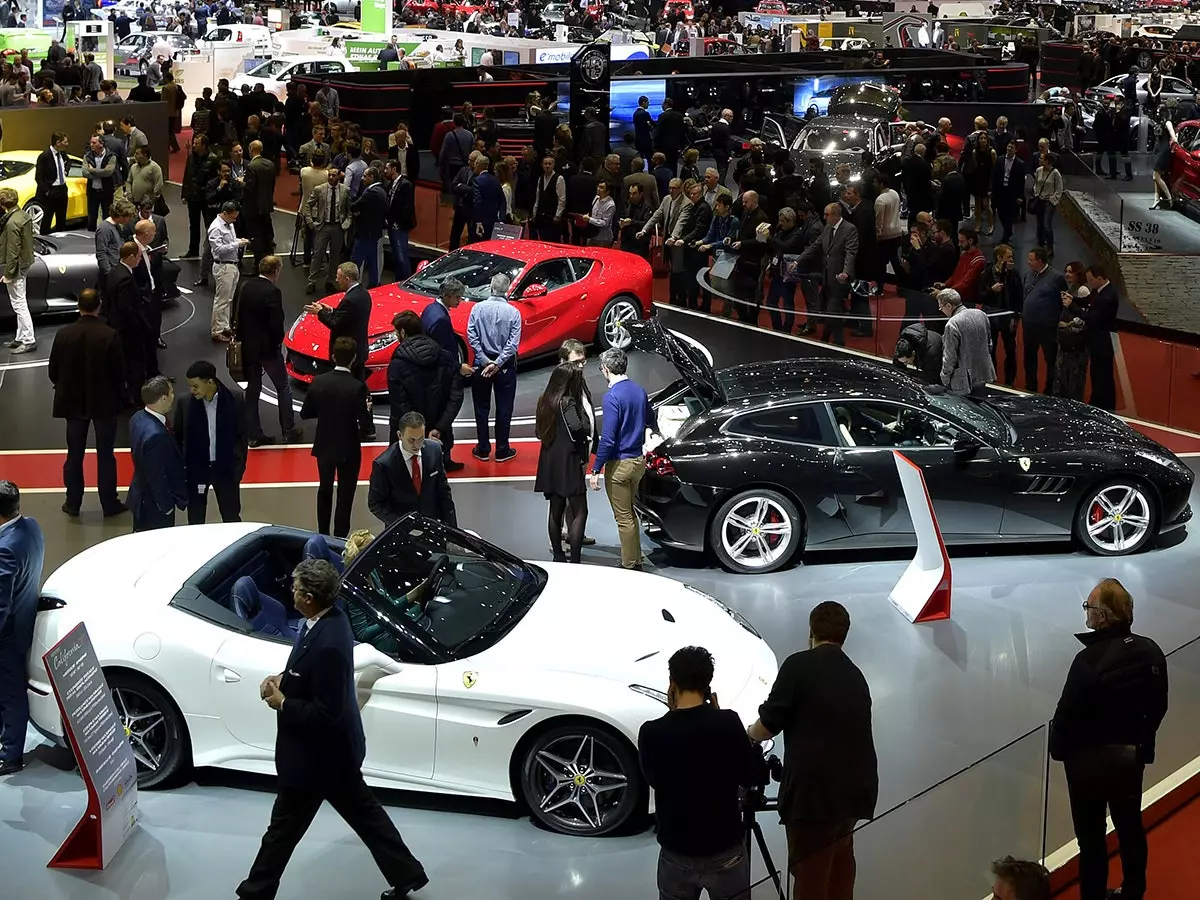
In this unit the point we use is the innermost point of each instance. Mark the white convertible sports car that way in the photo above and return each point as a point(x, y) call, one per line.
point(478, 674)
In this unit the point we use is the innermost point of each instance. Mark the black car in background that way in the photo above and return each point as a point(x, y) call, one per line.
point(765, 459)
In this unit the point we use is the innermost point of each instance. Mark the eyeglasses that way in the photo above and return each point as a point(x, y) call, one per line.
point(1087, 605)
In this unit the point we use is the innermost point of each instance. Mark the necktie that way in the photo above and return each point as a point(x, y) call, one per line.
point(333, 199)
point(301, 632)
point(416, 474)
point(58, 163)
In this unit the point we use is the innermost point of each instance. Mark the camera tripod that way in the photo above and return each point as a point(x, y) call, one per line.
point(752, 829)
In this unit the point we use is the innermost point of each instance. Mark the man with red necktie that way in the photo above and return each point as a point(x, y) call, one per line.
point(410, 476)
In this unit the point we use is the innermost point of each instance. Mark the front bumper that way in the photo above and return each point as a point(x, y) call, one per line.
point(305, 368)
point(1179, 521)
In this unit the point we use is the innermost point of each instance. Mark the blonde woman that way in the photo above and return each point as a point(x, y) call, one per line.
point(505, 172)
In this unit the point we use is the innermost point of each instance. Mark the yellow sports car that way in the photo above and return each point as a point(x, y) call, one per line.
point(17, 172)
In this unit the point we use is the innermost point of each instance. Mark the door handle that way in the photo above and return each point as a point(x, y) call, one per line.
point(229, 676)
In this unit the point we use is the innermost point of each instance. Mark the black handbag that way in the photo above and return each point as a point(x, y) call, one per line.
point(160, 206)
point(233, 350)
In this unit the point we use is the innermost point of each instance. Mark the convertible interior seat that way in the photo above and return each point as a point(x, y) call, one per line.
point(265, 614)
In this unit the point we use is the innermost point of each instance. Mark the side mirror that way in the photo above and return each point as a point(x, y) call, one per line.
point(533, 291)
point(965, 448)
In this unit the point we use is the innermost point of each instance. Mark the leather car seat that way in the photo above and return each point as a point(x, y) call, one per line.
point(264, 613)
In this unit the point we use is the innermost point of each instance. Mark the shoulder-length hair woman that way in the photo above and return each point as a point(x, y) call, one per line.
point(563, 427)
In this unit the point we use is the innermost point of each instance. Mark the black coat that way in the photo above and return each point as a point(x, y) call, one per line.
point(1115, 693)
point(350, 318)
point(393, 495)
point(87, 369)
point(320, 739)
point(259, 322)
point(260, 186)
point(822, 704)
point(1007, 196)
point(670, 131)
point(953, 199)
point(916, 175)
point(338, 401)
point(422, 377)
point(594, 141)
point(369, 213)
point(123, 304)
point(46, 172)
point(402, 210)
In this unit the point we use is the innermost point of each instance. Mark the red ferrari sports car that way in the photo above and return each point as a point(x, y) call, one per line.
point(587, 293)
point(1184, 176)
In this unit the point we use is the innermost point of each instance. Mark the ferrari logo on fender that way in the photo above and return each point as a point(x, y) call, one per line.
point(469, 679)
point(1024, 462)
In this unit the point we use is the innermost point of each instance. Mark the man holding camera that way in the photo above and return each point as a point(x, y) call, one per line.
point(822, 704)
point(697, 758)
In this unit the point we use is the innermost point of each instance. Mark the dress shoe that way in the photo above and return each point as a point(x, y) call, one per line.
point(13, 766)
point(295, 436)
point(503, 456)
point(116, 510)
point(368, 434)
point(260, 440)
point(397, 893)
point(482, 456)
point(222, 337)
point(200, 282)
point(72, 511)
point(13, 345)
point(25, 348)
point(452, 466)
point(587, 541)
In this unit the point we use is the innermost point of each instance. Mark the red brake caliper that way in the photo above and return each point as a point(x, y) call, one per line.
point(774, 539)
point(1097, 513)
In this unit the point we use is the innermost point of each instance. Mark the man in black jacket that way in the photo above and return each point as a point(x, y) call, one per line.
point(1101, 319)
point(401, 217)
point(368, 213)
point(720, 139)
point(321, 745)
point(409, 477)
point(350, 318)
point(125, 313)
point(916, 176)
point(50, 174)
point(1103, 732)
point(953, 202)
point(342, 407)
point(747, 272)
point(822, 704)
point(422, 377)
point(670, 134)
point(861, 215)
point(594, 140)
point(260, 202)
point(258, 324)
point(87, 370)
point(1008, 188)
point(210, 428)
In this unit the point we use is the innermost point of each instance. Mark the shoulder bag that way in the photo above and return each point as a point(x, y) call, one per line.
point(233, 352)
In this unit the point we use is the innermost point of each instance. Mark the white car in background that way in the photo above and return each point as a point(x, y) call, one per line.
point(477, 674)
point(1157, 32)
point(274, 74)
point(237, 36)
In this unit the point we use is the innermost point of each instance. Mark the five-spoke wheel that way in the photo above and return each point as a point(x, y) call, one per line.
point(614, 321)
point(152, 725)
point(756, 531)
point(1117, 518)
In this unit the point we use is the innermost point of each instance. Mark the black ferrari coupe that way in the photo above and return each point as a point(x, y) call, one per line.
point(762, 460)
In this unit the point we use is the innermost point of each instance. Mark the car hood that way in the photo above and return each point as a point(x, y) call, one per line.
point(308, 336)
point(1049, 424)
point(624, 626)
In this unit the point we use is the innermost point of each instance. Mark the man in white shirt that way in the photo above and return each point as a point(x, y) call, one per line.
point(226, 247)
point(549, 204)
point(889, 230)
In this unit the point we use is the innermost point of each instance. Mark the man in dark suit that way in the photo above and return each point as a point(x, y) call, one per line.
point(836, 252)
point(867, 263)
point(409, 477)
point(916, 175)
point(165, 269)
point(954, 201)
point(50, 174)
point(720, 139)
point(435, 322)
point(258, 324)
point(260, 202)
point(126, 313)
point(670, 134)
point(342, 407)
point(158, 486)
point(643, 128)
point(351, 317)
point(422, 377)
point(489, 205)
point(1008, 188)
point(401, 218)
point(87, 370)
point(210, 429)
point(369, 216)
point(822, 704)
point(1101, 319)
point(22, 550)
point(321, 745)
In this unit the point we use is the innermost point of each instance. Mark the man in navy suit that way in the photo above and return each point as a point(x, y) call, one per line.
point(159, 486)
point(410, 477)
point(489, 204)
point(22, 550)
point(435, 319)
point(369, 216)
point(320, 745)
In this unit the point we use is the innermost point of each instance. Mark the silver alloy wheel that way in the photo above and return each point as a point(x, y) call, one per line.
point(756, 532)
point(1118, 518)
point(577, 788)
point(615, 332)
point(35, 213)
point(145, 727)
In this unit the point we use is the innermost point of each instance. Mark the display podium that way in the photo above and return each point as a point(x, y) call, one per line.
point(101, 746)
point(923, 592)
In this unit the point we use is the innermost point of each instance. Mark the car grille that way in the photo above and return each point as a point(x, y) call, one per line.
point(308, 365)
point(1047, 484)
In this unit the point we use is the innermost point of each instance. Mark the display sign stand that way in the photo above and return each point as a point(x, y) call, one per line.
point(923, 592)
point(101, 746)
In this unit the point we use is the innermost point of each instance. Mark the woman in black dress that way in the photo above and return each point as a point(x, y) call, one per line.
point(563, 428)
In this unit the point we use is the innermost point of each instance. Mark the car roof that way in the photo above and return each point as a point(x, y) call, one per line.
point(817, 379)
point(538, 251)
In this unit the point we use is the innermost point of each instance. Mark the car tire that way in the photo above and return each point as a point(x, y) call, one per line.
point(591, 770)
point(609, 329)
point(144, 67)
point(1117, 517)
point(155, 727)
point(750, 519)
point(36, 213)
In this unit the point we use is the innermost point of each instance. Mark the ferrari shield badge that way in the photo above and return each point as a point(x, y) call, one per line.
point(1024, 463)
point(469, 679)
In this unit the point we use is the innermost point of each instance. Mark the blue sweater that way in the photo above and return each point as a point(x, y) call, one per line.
point(627, 414)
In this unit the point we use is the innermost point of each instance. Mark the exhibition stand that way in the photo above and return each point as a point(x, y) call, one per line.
point(923, 592)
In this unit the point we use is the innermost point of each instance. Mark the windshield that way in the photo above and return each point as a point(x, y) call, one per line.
point(274, 67)
point(834, 140)
point(473, 268)
point(983, 419)
point(456, 591)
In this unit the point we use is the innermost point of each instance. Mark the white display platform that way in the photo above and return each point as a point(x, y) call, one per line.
point(923, 592)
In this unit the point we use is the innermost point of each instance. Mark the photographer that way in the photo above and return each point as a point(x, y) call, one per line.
point(696, 757)
point(822, 703)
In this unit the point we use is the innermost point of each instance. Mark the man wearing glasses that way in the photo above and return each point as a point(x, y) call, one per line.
point(1103, 730)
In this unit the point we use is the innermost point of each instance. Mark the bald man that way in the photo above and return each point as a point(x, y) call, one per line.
point(720, 137)
point(147, 275)
point(259, 202)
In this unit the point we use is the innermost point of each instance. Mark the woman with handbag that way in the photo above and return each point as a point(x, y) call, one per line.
point(564, 429)
point(1047, 191)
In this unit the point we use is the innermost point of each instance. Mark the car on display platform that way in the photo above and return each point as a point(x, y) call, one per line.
point(17, 171)
point(477, 673)
point(771, 8)
point(64, 263)
point(132, 54)
point(256, 38)
point(1184, 175)
point(762, 461)
point(1173, 89)
point(587, 293)
point(275, 74)
point(1155, 32)
point(679, 9)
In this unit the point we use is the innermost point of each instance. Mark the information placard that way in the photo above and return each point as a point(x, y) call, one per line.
point(101, 745)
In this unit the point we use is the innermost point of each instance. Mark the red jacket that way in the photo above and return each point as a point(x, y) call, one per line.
point(440, 130)
point(965, 278)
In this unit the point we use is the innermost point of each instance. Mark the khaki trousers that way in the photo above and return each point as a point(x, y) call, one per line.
point(225, 280)
point(621, 479)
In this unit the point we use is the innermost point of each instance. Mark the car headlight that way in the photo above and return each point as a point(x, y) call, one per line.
point(732, 613)
point(1162, 459)
point(378, 342)
point(650, 692)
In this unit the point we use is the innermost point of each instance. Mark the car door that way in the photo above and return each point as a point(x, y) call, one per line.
point(238, 668)
point(546, 293)
point(1185, 162)
point(76, 189)
point(964, 484)
point(399, 708)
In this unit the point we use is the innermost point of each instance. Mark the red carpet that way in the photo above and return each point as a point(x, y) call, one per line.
point(1174, 872)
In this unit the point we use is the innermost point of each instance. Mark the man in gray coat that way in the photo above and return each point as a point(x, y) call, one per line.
point(966, 345)
point(836, 250)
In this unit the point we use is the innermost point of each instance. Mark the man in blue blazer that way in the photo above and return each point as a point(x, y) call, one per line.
point(490, 206)
point(435, 319)
point(320, 745)
point(158, 487)
point(22, 550)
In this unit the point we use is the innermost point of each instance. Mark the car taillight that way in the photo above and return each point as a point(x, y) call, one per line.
point(659, 463)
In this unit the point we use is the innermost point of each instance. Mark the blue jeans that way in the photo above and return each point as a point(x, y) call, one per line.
point(724, 875)
point(1045, 225)
point(401, 263)
point(365, 255)
point(504, 383)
